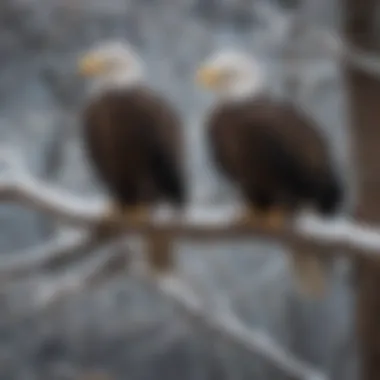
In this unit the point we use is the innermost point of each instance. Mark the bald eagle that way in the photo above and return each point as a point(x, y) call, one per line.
point(272, 151)
point(132, 134)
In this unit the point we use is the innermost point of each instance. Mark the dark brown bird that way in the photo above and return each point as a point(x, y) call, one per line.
point(132, 134)
point(271, 151)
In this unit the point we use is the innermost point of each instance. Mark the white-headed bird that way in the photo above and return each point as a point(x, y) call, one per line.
point(272, 151)
point(132, 134)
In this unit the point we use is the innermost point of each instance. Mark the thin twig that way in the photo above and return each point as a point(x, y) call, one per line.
point(228, 325)
point(67, 246)
point(109, 263)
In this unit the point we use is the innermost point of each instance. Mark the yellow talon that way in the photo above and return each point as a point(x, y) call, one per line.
point(275, 219)
point(136, 214)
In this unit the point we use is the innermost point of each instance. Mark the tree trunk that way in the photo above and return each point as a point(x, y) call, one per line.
point(364, 107)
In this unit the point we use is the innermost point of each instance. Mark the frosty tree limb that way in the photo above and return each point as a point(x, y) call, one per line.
point(63, 248)
point(224, 322)
point(18, 186)
point(50, 201)
point(195, 223)
point(20, 263)
point(200, 223)
point(100, 268)
point(24, 189)
point(228, 325)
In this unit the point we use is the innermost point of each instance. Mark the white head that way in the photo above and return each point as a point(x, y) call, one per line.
point(112, 65)
point(231, 75)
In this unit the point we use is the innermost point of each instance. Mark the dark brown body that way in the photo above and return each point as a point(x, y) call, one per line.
point(274, 154)
point(134, 141)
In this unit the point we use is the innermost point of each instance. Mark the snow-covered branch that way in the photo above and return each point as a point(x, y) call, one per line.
point(21, 263)
point(67, 246)
point(108, 263)
point(225, 322)
point(221, 320)
point(51, 201)
point(195, 223)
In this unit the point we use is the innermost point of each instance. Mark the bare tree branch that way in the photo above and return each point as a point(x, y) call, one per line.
point(20, 263)
point(222, 321)
point(66, 247)
point(228, 325)
point(196, 223)
point(110, 262)
point(51, 201)
point(199, 223)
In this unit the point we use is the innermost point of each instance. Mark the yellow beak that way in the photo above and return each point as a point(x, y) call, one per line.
point(208, 77)
point(90, 66)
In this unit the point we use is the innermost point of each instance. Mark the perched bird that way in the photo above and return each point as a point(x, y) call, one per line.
point(271, 150)
point(132, 135)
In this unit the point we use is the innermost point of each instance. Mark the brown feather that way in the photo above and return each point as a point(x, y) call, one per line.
point(270, 148)
point(278, 159)
point(117, 125)
point(134, 141)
